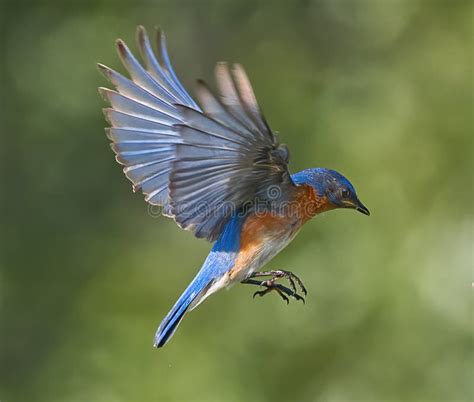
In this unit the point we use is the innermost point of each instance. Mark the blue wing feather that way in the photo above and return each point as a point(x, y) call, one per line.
point(143, 116)
point(183, 157)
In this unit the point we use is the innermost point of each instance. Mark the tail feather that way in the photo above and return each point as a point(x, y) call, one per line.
point(209, 279)
point(170, 323)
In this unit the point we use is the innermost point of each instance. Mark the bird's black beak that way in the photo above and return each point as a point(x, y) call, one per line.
point(357, 205)
point(361, 208)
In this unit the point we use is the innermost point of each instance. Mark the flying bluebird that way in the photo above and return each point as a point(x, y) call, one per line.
point(217, 169)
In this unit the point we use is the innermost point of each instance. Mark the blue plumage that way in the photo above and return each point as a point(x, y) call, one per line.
point(331, 184)
point(204, 163)
point(219, 261)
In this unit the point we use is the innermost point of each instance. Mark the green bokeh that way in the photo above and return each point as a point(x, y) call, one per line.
point(380, 90)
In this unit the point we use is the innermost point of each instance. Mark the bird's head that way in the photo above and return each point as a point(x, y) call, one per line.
point(339, 191)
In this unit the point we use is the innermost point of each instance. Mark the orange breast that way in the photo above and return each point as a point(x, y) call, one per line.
point(264, 234)
point(309, 204)
point(305, 205)
point(260, 238)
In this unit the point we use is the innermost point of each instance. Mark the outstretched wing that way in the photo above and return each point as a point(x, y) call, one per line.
point(142, 117)
point(201, 164)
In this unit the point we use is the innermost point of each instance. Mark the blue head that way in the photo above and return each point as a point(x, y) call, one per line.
point(333, 185)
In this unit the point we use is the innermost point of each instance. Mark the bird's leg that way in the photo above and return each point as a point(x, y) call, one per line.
point(270, 285)
point(277, 274)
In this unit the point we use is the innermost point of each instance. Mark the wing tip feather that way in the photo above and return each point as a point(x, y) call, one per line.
point(142, 37)
point(108, 133)
point(105, 93)
point(141, 30)
point(105, 71)
point(122, 49)
point(106, 111)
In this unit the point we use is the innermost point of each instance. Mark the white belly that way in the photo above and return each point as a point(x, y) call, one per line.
point(270, 246)
point(269, 249)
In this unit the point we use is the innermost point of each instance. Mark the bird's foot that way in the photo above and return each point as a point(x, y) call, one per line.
point(282, 291)
point(277, 274)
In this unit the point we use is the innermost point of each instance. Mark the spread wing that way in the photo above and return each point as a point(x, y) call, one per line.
point(202, 164)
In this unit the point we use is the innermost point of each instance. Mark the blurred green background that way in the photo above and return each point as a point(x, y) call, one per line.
point(379, 90)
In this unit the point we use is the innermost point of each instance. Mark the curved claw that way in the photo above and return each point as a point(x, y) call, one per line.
point(300, 283)
point(292, 278)
point(270, 285)
point(297, 297)
point(277, 274)
point(262, 293)
point(292, 283)
point(290, 292)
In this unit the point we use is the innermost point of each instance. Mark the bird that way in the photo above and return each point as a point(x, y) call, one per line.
point(217, 169)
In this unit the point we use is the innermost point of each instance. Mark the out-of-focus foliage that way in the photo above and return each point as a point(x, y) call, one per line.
point(380, 90)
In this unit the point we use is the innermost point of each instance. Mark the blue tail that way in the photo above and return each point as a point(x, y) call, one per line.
point(218, 262)
point(195, 290)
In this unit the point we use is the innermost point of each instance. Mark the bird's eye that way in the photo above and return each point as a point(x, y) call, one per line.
point(345, 193)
